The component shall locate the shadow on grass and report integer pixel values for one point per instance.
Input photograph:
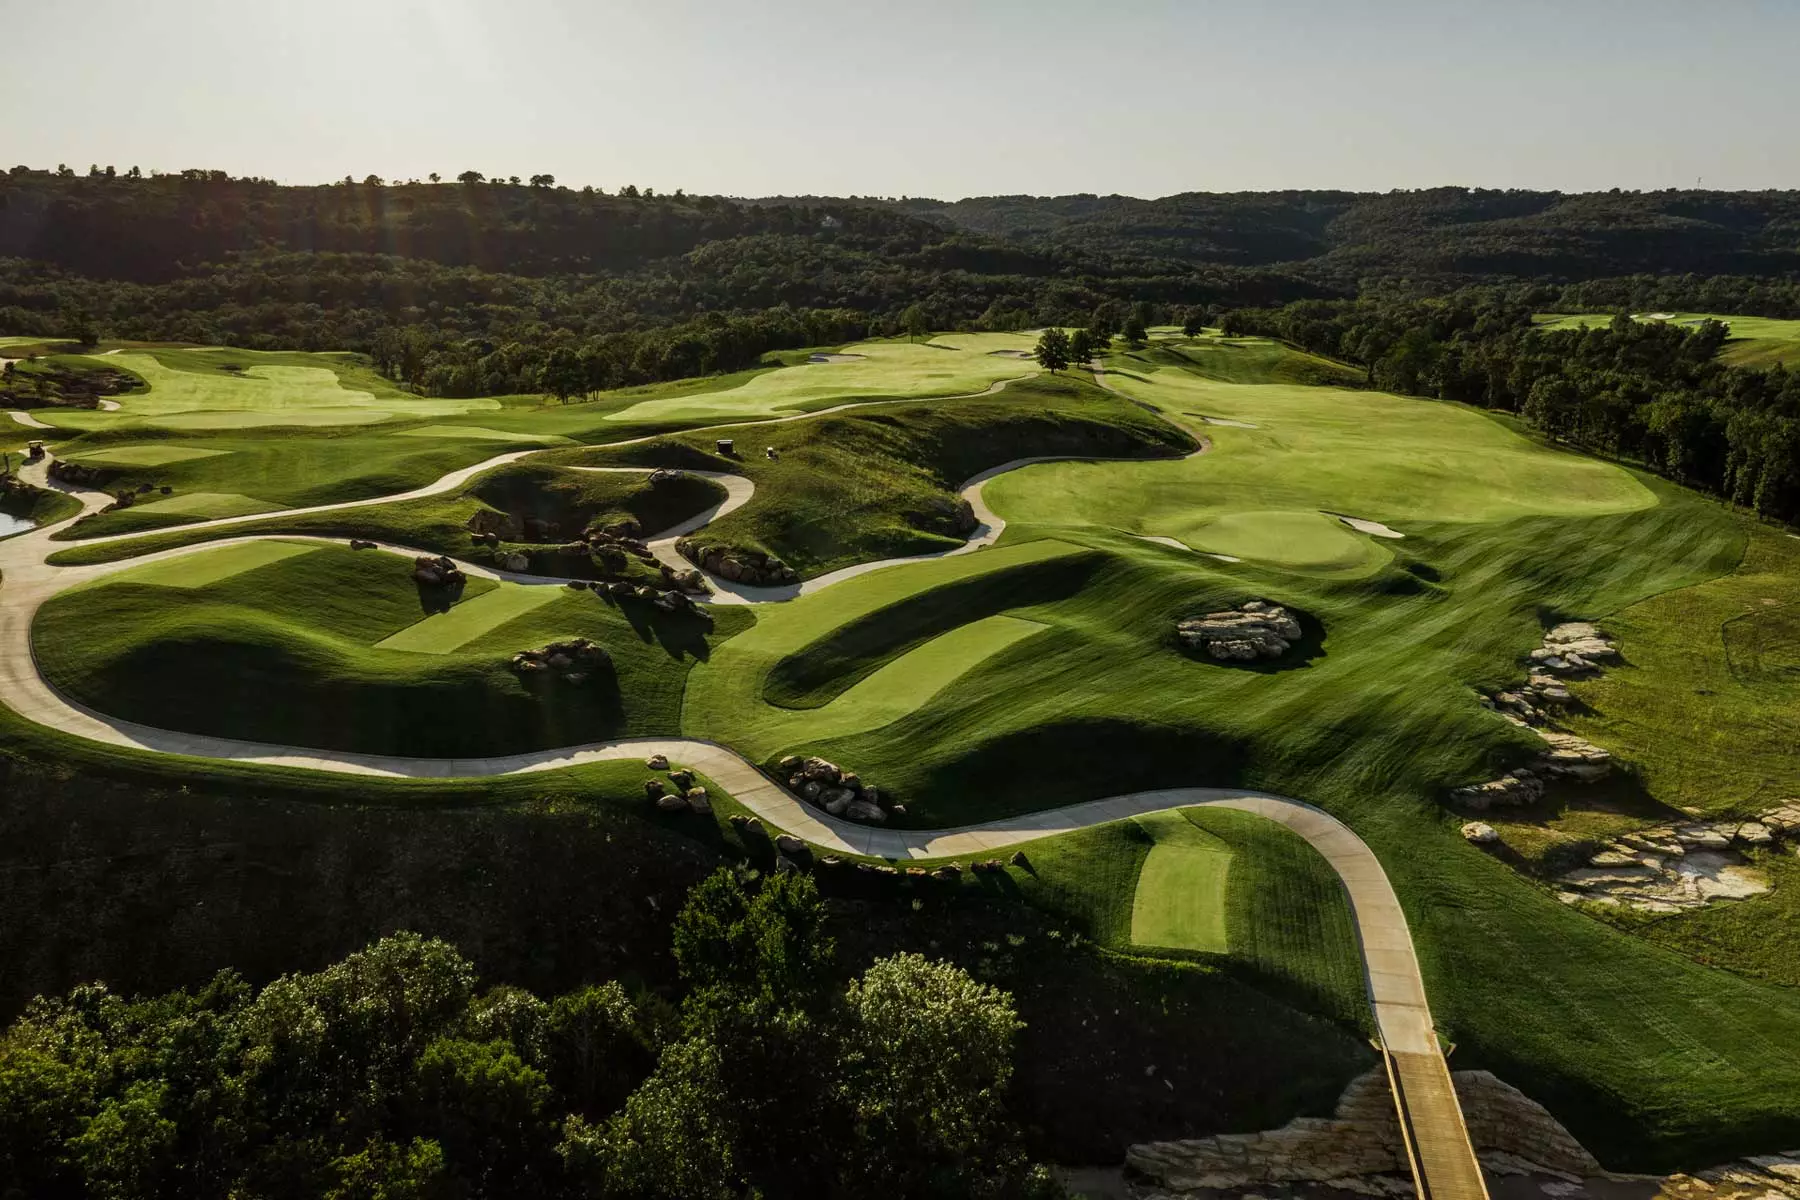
(436, 597)
(681, 635)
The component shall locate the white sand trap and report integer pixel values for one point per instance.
(835, 358)
(1161, 540)
(1224, 557)
(1373, 528)
(1226, 421)
(1025, 354)
(29, 421)
(1656, 316)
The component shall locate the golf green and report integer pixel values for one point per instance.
(440, 633)
(206, 504)
(1180, 899)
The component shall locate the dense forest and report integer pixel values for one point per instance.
(485, 286)
(774, 1072)
(1649, 391)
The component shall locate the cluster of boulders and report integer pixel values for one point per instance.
(679, 793)
(792, 854)
(1764, 1177)
(1683, 865)
(1573, 649)
(669, 600)
(573, 661)
(610, 547)
(1359, 1148)
(751, 567)
(437, 571)
(1255, 629)
(840, 793)
(951, 515)
(77, 474)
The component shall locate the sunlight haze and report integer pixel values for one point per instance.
(939, 99)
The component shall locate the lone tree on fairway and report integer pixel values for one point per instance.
(1053, 350)
(1135, 334)
(1081, 346)
(1193, 323)
(914, 322)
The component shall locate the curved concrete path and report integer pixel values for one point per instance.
(1430, 1117)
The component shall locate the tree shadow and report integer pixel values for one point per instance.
(438, 597)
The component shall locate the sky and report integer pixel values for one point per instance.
(929, 98)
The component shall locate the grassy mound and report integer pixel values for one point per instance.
(1253, 360)
(881, 483)
(286, 652)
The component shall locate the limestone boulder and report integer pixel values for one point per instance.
(1255, 630)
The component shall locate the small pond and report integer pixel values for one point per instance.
(10, 524)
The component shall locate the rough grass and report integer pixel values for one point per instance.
(1251, 360)
(230, 657)
(881, 483)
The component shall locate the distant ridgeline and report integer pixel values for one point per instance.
(467, 286)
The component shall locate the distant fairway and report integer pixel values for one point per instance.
(206, 567)
(1755, 341)
(479, 433)
(440, 633)
(151, 454)
(887, 370)
(1180, 899)
(1260, 494)
(207, 505)
(269, 390)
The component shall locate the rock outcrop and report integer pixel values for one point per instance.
(1358, 1148)
(573, 661)
(839, 792)
(488, 522)
(1575, 648)
(1254, 630)
(1670, 868)
(736, 565)
(437, 571)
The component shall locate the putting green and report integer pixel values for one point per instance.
(725, 692)
(152, 455)
(988, 343)
(1180, 899)
(206, 504)
(904, 684)
(886, 370)
(480, 433)
(262, 394)
(210, 566)
(440, 633)
(1258, 494)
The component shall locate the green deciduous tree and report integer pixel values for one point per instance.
(914, 321)
(1053, 350)
(1082, 347)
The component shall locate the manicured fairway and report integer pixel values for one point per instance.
(479, 433)
(725, 692)
(151, 454)
(1259, 493)
(988, 343)
(440, 633)
(887, 370)
(1180, 899)
(205, 504)
(901, 685)
(264, 393)
(206, 567)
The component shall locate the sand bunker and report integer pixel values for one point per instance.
(1373, 528)
(1176, 544)
(29, 421)
(835, 358)
(1025, 354)
(1656, 316)
(1224, 421)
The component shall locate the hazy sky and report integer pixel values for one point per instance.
(754, 97)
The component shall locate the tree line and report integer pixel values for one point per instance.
(392, 1074)
(1648, 391)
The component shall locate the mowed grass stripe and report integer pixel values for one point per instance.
(899, 687)
(207, 504)
(146, 456)
(211, 566)
(1180, 898)
(440, 633)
